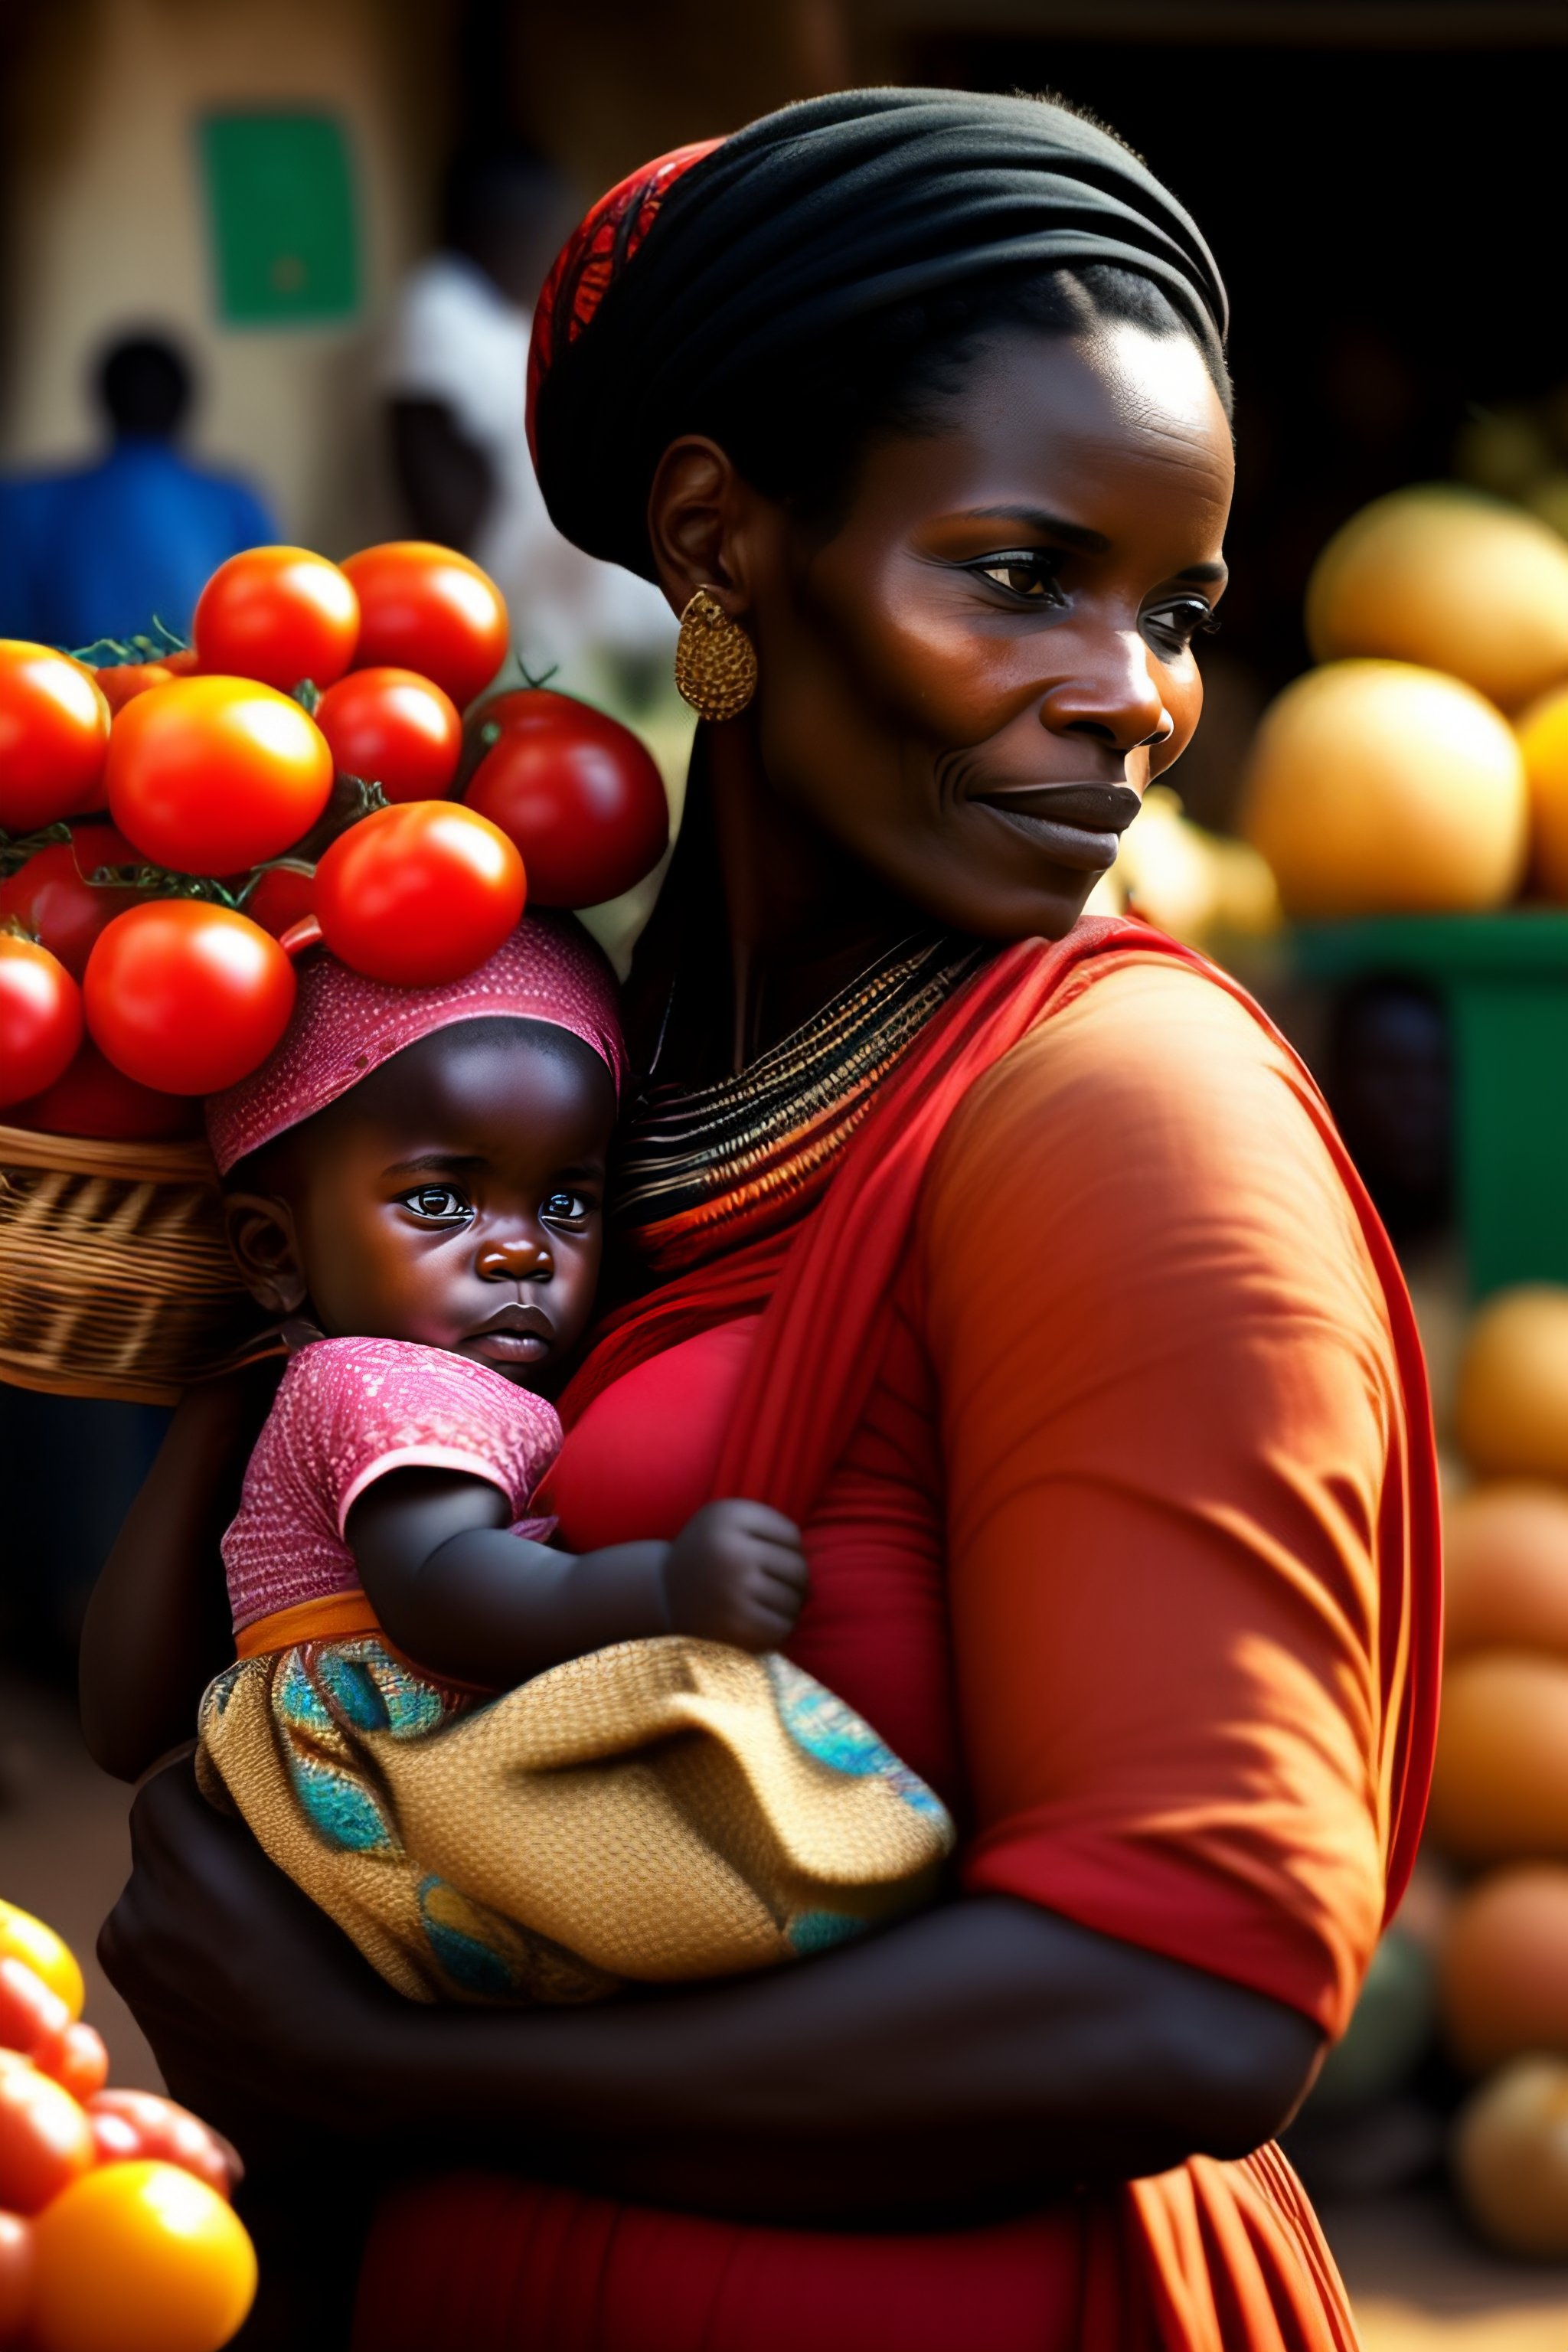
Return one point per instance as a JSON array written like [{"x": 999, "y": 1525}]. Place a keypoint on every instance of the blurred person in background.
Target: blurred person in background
[
  {"x": 97, "y": 550},
  {"x": 453, "y": 379}
]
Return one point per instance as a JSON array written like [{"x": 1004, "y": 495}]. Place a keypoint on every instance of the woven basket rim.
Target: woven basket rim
[{"x": 187, "y": 1161}]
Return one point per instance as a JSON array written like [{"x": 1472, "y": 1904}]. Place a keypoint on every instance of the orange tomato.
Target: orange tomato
[
  {"x": 23, "y": 1938},
  {"x": 45, "y": 2139},
  {"x": 16, "y": 2275},
  {"x": 125, "y": 680},
  {"x": 54, "y": 732},
  {"x": 213, "y": 775},
  {"x": 140, "y": 2258}
]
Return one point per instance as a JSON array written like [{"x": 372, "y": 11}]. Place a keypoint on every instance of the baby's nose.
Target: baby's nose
[{"x": 522, "y": 1260}]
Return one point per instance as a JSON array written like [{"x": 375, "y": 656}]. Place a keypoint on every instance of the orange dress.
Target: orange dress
[{"x": 1129, "y": 1551}]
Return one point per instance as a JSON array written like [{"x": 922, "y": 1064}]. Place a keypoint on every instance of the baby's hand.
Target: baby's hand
[{"x": 736, "y": 1573}]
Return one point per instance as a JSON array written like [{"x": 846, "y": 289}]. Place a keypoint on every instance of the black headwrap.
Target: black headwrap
[{"x": 698, "y": 273}]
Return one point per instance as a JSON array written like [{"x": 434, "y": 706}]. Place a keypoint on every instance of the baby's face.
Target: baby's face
[{"x": 455, "y": 1197}]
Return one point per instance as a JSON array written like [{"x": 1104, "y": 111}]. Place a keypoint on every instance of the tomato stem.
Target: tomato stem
[{"x": 115, "y": 653}]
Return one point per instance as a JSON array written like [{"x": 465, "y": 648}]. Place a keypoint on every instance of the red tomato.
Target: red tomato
[
  {"x": 131, "y": 2123},
  {"x": 579, "y": 795},
  {"x": 81, "y": 2065},
  {"x": 213, "y": 775},
  {"x": 54, "y": 732},
  {"x": 16, "y": 2276},
  {"x": 123, "y": 681},
  {"x": 187, "y": 997},
  {"x": 40, "y": 1019},
  {"x": 419, "y": 894},
  {"x": 428, "y": 609},
  {"x": 395, "y": 729},
  {"x": 94, "y": 1099},
  {"x": 277, "y": 613},
  {"x": 33, "y": 2019},
  {"x": 51, "y": 897},
  {"x": 183, "y": 664},
  {"x": 45, "y": 2139},
  {"x": 283, "y": 896}
]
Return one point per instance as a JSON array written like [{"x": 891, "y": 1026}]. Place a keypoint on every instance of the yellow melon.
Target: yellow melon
[
  {"x": 1510, "y": 2156},
  {"x": 1500, "y": 1791},
  {"x": 1510, "y": 1415},
  {"x": 1502, "y": 1978},
  {"x": 1451, "y": 579},
  {"x": 1544, "y": 740},
  {"x": 1376, "y": 788}
]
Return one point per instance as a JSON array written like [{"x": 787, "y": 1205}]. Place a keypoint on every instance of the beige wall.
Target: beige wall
[{"x": 104, "y": 228}]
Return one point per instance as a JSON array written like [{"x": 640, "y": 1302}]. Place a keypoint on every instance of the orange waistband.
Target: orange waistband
[{"x": 331, "y": 1618}]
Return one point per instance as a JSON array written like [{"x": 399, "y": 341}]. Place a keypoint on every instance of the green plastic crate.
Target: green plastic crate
[{"x": 1504, "y": 980}]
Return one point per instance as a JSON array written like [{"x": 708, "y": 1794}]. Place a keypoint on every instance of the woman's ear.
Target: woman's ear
[
  {"x": 699, "y": 512},
  {"x": 266, "y": 1249}
]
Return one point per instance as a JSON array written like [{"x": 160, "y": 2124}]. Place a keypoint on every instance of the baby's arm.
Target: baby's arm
[{"x": 465, "y": 1598}]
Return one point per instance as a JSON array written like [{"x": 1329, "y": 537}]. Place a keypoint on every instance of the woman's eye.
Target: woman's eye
[
  {"x": 1031, "y": 578},
  {"x": 1178, "y": 624},
  {"x": 438, "y": 1203}
]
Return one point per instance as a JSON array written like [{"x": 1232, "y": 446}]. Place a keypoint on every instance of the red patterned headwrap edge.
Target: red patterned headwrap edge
[{"x": 594, "y": 257}]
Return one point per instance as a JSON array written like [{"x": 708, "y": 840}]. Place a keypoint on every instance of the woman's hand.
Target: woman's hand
[
  {"x": 250, "y": 1998},
  {"x": 978, "y": 2055}
]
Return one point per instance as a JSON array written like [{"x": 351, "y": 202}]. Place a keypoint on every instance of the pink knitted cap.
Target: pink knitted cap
[{"x": 343, "y": 1026}]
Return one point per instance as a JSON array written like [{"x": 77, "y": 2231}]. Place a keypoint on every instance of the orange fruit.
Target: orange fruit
[
  {"x": 1502, "y": 1978},
  {"x": 1510, "y": 1415},
  {"x": 1500, "y": 1792},
  {"x": 1452, "y": 579},
  {"x": 23, "y": 1938},
  {"x": 1377, "y": 788},
  {"x": 140, "y": 2258},
  {"x": 1510, "y": 2158},
  {"x": 1506, "y": 1569}
]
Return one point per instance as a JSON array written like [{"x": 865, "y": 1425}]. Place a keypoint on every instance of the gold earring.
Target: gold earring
[{"x": 715, "y": 660}]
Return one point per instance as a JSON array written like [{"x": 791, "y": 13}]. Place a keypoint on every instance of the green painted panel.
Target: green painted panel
[
  {"x": 280, "y": 200},
  {"x": 1504, "y": 979}
]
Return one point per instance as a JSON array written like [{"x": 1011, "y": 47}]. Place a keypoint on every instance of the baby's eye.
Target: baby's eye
[
  {"x": 438, "y": 1204},
  {"x": 566, "y": 1208}
]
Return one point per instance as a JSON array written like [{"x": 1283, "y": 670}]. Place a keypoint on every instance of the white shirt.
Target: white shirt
[{"x": 457, "y": 340}]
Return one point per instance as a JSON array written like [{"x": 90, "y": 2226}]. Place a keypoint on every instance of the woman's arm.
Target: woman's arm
[
  {"x": 157, "y": 1626},
  {"x": 455, "y": 1590},
  {"x": 985, "y": 2052}
]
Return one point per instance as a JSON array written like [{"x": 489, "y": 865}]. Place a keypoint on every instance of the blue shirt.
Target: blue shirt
[{"x": 100, "y": 550}]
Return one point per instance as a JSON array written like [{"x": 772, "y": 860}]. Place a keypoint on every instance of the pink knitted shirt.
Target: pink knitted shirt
[{"x": 348, "y": 1410}]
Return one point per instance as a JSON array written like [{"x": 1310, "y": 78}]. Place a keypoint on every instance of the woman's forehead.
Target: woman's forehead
[{"x": 1064, "y": 428}]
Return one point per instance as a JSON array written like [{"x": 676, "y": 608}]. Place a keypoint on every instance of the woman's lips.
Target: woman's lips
[{"x": 1076, "y": 824}]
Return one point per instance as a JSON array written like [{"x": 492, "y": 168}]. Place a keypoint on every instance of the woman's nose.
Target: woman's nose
[
  {"x": 1115, "y": 698},
  {"x": 523, "y": 1260}
]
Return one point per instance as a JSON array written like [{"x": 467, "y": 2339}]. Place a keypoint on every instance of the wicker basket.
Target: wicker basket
[{"x": 115, "y": 1276}]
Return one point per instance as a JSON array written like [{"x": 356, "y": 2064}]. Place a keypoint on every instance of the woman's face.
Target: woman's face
[{"x": 970, "y": 685}]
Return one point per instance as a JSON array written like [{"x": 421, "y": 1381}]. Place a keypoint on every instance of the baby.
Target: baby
[{"x": 415, "y": 1186}]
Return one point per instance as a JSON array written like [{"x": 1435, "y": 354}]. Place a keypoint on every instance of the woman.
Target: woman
[{"x": 1015, "y": 1257}]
